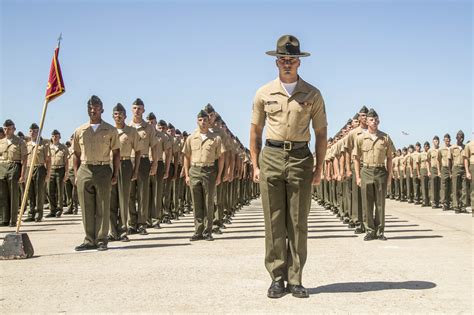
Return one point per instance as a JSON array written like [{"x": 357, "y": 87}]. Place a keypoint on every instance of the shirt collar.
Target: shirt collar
[{"x": 301, "y": 87}]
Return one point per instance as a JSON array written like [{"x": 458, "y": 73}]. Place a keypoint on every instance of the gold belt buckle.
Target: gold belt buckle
[{"x": 287, "y": 145}]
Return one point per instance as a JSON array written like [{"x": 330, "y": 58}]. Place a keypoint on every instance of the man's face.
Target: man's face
[
  {"x": 410, "y": 149},
  {"x": 171, "y": 132},
  {"x": 203, "y": 122},
  {"x": 55, "y": 138},
  {"x": 161, "y": 128},
  {"x": 459, "y": 138},
  {"x": 9, "y": 131},
  {"x": 138, "y": 110},
  {"x": 95, "y": 111},
  {"x": 355, "y": 123},
  {"x": 33, "y": 133},
  {"x": 288, "y": 66},
  {"x": 362, "y": 118},
  {"x": 152, "y": 122},
  {"x": 372, "y": 122},
  {"x": 212, "y": 118},
  {"x": 119, "y": 117},
  {"x": 426, "y": 147},
  {"x": 447, "y": 141},
  {"x": 436, "y": 142}
]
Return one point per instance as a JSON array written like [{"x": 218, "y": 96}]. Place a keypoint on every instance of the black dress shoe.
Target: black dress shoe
[
  {"x": 102, "y": 247},
  {"x": 29, "y": 219},
  {"x": 5, "y": 223},
  {"x": 382, "y": 237},
  {"x": 358, "y": 230},
  {"x": 59, "y": 213},
  {"x": 111, "y": 238},
  {"x": 11, "y": 225},
  {"x": 297, "y": 291},
  {"x": 209, "y": 237},
  {"x": 368, "y": 237},
  {"x": 156, "y": 225},
  {"x": 195, "y": 237},
  {"x": 276, "y": 289},
  {"x": 68, "y": 211},
  {"x": 124, "y": 239},
  {"x": 351, "y": 225},
  {"x": 83, "y": 247},
  {"x": 51, "y": 215},
  {"x": 38, "y": 220},
  {"x": 216, "y": 230},
  {"x": 142, "y": 231}
]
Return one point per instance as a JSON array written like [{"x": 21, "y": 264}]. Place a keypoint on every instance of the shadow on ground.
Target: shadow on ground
[{"x": 357, "y": 287}]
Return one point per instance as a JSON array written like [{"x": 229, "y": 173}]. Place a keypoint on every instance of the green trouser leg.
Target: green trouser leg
[
  {"x": 409, "y": 185},
  {"x": 36, "y": 192},
  {"x": 417, "y": 188},
  {"x": 71, "y": 191},
  {"x": 435, "y": 182},
  {"x": 397, "y": 189},
  {"x": 285, "y": 184},
  {"x": 459, "y": 187},
  {"x": 226, "y": 198},
  {"x": 167, "y": 192},
  {"x": 403, "y": 185},
  {"x": 177, "y": 192},
  {"x": 219, "y": 204},
  {"x": 374, "y": 188},
  {"x": 157, "y": 213},
  {"x": 152, "y": 182},
  {"x": 9, "y": 192},
  {"x": 445, "y": 187},
  {"x": 425, "y": 180},
  {"x": 93, "y": 187},
  {"x": 189, "y": 200},
  {"x": 357, "y": 216},
  {"x": 56, "y": 189},
  {"x": 139, "y": 195},
  {"x": 348, "y": 197},
  {"x": 202, "y": 185},
  {"x": 471, "y": 184},
  {"x": 120, "y": 200}
]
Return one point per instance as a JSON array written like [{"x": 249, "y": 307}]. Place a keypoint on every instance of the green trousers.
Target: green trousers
[
  {"x": 177, "y": 191},
  {"x": 37, "y": 192},
  {"x": 435, "y": 182},
  {"x": 9, "y": 192},
  {"x": 374, "y": 189},
  {"x": 425, "y": 186},
  {"x": 93, "y": 188},
  {"x": 202, "y": 186},
  {"x": 219, "y": 203},
  {"x": 445, "y": 187},
  {"x": 471, "y": 188},
  {"x": 156, "y": 194},
  {"x": 167, "y": 190},
  {"x": 285, "y": 184},
  {"x": 71, "y": 191},
  {"x": 356, "y": 204},
  {"x": 56, "y": 189},
  {"x": 120, "y": 200},
  {"x": 139, "y": 195},
  {"x": 409, "y": 185},
  {"x": 459, "y": 191}
]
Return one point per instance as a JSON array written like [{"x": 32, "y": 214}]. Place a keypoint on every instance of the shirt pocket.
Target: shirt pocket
[{"x": 272, "y": 108}]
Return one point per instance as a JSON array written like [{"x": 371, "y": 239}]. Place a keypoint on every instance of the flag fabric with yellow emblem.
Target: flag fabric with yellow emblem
[{"x": 55, "y": 81}]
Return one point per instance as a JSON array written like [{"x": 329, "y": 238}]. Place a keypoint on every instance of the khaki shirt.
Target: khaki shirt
[
  {"x": 457, "y": 154},
  {"x": 147, "y": 136},
  {"x": 168, "y": 143},
  {"x": 433, "y": 157},
  {"x": 288, "y": 117},
  {"x": 203, "y": 151},
  {"x": 71, "y": 158},
  {"x": 59, "y": 154},
  {"x": 15, "y": 151},
  {"x": 395, "y": 163},
  {"x": 469, "y": 152},
  {"x": 409, "y": 162},
  {"x": 226, "y": 139},
  {"x": 350, "y": 139},
  {"x": 445, "y": 153},
  {"x": 160, "y": 145},
  {"x": 373, "y": 152},
  {"x": 43, "y": 152},
  {"x": 423, "y": 160},
  {"x": 129, "y": 140},
  {"x": 95, "y": 146}
]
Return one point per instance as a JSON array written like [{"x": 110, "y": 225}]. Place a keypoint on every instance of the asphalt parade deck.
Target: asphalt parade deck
[{"x": 424, "y": 267}]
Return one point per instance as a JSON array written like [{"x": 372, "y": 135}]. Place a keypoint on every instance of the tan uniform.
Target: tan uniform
[
  {"x": 469, "y": 156},
  {"x": 446, "y": 183},
  {"x": 202, "y": 174},
  {"x": 222, "y": 190},
  {"x": 425, "y": 193},
  {"x": 435, "y": 180},
  {"x": 374, "y": 152},
  {"x": 59, "y": 158},
  {"x": 37, "y": 189},
  {"x": 94, "y": 178},
  {"x": 12, "y": 152},
  {"x": 156, "y": 182},
  {"x": 286, "y": 172},
  {"x": 458, "y": 180}
]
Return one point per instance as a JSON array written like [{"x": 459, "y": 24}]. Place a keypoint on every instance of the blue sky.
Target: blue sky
[{"x": 411, "y": 61}]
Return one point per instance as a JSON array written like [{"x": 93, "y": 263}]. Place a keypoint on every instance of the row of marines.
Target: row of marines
[{"x": 130, "y": 177}]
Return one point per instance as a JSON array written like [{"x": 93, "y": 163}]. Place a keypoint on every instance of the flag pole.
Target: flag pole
[{"x": 30, "y": 171}]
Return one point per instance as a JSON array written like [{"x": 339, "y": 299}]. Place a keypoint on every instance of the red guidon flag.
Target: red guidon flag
[{"x": 55, "y": 81}]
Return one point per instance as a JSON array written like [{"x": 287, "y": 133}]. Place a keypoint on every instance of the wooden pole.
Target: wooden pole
[{"x": 30, "y": 171}]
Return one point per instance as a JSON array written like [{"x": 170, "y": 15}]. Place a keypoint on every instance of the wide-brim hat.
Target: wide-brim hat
[{"x": 288, "y": 46}]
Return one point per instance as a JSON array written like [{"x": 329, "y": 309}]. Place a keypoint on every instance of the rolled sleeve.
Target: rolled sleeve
[
  {"x": 318, "y": 113},
  {"x": 258, "y": 112}
]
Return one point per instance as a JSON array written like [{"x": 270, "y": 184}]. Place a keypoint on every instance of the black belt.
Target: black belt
[{"x": 286, "y": 145}]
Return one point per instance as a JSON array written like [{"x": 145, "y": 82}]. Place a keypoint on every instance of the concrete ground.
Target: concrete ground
[{"x": 424, "y": 267}]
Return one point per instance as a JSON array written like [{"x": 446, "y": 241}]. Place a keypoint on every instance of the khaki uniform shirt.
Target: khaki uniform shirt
[
  {"x": 350, "y": 139},
  {"x": 95, "y": 146},
  {"x": 395, "y": 164},
  {"x": 59, "y": 155},
  {"x": 129, "y": 140},
  {"x": 203, "y": 151},
  {"x": 71, "y": 158},
  {"x": 469, "y": 152},
  {"x": 423, "y": 160},
  {"x": 288, "y": 117},
  {"x": 15, "y": 151},
  {"x": 457, "y": 155},
  {"x": 433, "y": 157},
  {"x": 373, "y": 151},
  {"x": 43, "y": 152},
  {"x": 147, "y": 135},
  {"x": 168, "y": 143},
  {"x": 445, "y": 156},
  {"x": 160, "y": 145},
  {"x": 226, "y": 139}
]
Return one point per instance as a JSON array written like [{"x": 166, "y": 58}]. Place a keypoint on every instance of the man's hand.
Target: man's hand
[
  {"x": 316, "y": 177},
  {"x": 65, "y": 179},
  {"x": 358, "y": 181},
  {"x": 114, "y": 179},
  {"x": 468, "y": 175},
  {"x": 349, "y": 173},
  {"x": 256, "y": 174},
  {"x": 218, "y": 180},
  {"x": 21, "y": 179},
  {"x": 187, "y": 180},
  {"x": 166, "y": 175},
  {"x": 134, "y": 176}
]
